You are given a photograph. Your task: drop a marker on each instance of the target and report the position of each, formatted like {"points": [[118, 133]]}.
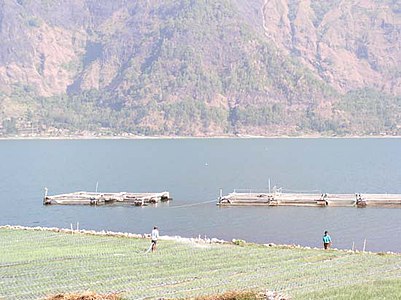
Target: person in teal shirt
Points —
{"points": [[326, 240]]}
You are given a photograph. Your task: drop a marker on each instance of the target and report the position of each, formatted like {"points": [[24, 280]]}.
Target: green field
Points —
{"points": [[34, 264]]}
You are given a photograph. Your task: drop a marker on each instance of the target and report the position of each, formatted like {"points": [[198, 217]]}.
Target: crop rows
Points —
{"points": [[34, 264]]}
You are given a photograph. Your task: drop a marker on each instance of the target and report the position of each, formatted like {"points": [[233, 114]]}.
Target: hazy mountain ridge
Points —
{"points": [[186, 67]]}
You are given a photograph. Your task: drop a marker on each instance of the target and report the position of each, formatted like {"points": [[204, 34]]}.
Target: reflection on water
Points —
{"points": [[193, 171]]}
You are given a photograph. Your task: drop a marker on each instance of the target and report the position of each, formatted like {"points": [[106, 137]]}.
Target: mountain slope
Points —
{"points": [[349, 44], [184, 67]]}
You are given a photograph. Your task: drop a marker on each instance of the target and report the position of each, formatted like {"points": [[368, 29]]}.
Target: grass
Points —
{"points": [[36, 264], [380, 289]]}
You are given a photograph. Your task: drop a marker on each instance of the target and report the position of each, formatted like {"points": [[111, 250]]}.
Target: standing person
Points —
{"points": [[326, 240], [155, 236]]}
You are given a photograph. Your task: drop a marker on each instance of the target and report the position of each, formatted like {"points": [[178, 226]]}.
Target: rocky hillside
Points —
{"points": [[349, 44], [201, 68]]}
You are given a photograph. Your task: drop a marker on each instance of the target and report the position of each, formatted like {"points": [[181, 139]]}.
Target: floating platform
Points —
{"points": [[313, 200], [91, 198]]}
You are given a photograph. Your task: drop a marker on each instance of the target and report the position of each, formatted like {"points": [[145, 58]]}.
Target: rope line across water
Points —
{"points": [[194, 204]]}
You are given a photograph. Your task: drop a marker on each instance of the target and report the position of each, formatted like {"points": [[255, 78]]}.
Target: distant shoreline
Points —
{"points": [[17, 138]]}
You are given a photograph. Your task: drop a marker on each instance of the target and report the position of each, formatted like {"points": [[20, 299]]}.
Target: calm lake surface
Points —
{"points": [[193, 171]]}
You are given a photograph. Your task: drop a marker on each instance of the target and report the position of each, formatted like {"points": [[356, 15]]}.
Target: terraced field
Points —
{"points": [[34, 264]]}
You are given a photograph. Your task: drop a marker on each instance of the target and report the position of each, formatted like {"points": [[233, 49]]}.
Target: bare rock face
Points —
{"points": [[34, 54], [44, 44], [276, 23], [349, 44]]}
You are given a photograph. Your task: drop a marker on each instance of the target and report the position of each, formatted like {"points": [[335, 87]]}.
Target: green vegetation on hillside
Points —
{"points": [[372, 112], [180, 67], [34, 264], [204, 71]]}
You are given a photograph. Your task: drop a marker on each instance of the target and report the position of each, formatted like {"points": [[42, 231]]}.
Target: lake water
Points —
{"points": [[193, 171]]}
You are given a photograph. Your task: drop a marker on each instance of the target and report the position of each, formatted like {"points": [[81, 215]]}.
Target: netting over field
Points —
{"points": [[34, 264]]}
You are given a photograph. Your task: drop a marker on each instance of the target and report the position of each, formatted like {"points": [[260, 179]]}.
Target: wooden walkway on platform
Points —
{"points": [[92, 198], [309, 199]]}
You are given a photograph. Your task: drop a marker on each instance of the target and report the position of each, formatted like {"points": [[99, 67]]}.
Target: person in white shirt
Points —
{"points": [[155, 236]]}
